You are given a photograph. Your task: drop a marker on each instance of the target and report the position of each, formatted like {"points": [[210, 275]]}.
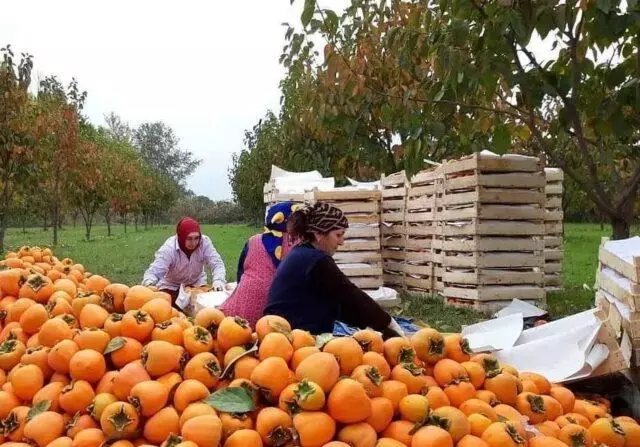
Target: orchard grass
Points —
{"points": [[123, 257]]}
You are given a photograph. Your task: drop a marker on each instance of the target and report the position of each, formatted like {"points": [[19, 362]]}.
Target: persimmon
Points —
{"points": [[50, 392], [137, 324], [196, 409], [38, 355], [234, 422], [370, 378], [11, 280], [92, 338], [15, 311], [244, 367], [631, 430], [161, 357], [161, 424], [321, 368], [489, 363], [205, 368], [76, 396], [381, 414], [96, 283], [608, 432], [275, 344], [575, 435], [209, 318], [309, 396], [370, 340], [375, 359], [448, 371], [358, 435], [302, 339], [414, 407], [488, 396], [33, 318], [429, 345], [158, 308], [170, 380], [472, 406], [88, 365], [503, 434], [168, 331], [432, 436], [113, 297], [545, 441], [564, 396], [529, 386], [233, 331], [347, 351], [348, 402], [272, 323], [274, 426], [36, 287], [79, 422], [458, 393], [148, 397], [14, 423], [113, 325], [244, 438], [548, 428], [127, 377], [53, 331], [573, 418], [271, 376], [509, 413], [90, 437], [8, 401], [44, 428], [475, 372], [401, 431], [457, 348], [478, 423], [505, 386], [543, 385], [588, 409], [26, 380], [398, 350], [187, 392], [126, 350], [452, 420], [394, 391], [119, 420], [410, 375], [57, 306], [99, 403], [471, 441]]}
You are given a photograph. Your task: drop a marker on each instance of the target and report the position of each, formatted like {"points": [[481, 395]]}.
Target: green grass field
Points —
{"points": [[124, 257]]}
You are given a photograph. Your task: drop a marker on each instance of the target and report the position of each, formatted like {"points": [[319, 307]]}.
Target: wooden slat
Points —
{"points": [[553, 241], [553, 215], [331, 196], [393, 192], [496, 195], [397, 178], [554, 280], [423, 257], [421, 203], [423, 243], [397, 241], [433, 229], [494, 212], [554, 175], [553, 267], [361, 271], [483, 244], [426, 176], [361, 256], [392, 216], [488, 307], [358, 207], [426, 190], [553, 228], [495, 260], [424, 270], [350, 245], [393, 280], [506, 180], [395, 204], [629, 297], [497, 228], [421, 217], [553, 189], [392, 230], [553, 203], [398, 255], [626, 269], [421, 283], [374, 218], [494, 277], [553, 255], [493, 164], [367, 282], [496, 293], [362, 232]]}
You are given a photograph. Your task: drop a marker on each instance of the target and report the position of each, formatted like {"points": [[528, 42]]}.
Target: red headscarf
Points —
{"points": [[186, 225]]}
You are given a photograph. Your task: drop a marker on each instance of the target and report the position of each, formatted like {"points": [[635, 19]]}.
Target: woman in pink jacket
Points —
{"points": [[257, 265], [181, 260]]}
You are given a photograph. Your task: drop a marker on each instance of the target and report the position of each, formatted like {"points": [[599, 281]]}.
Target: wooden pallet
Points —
{"points": [[493, 244], [493, 260], [487, 163], [476, 227], [486, 276], [471, 179], [614, 262], [494, 212]]}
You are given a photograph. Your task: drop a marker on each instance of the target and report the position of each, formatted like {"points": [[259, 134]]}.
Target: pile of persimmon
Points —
{"points": [[85, 362]]}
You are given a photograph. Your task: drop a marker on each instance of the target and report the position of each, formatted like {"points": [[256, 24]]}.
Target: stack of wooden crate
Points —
{"points": [[493, 230], [553, 247], [393, 228], [423, 245], [272, 195], [360, 257], [618, 293]]}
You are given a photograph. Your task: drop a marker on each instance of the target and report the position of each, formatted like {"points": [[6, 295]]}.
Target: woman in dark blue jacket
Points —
{"points": [[309, 289]]}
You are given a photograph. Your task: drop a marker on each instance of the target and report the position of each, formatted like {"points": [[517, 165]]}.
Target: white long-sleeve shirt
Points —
{"points": [[171, 267]]}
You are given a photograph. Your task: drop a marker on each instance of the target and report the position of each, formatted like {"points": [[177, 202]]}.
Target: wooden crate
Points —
{"points": [[553, 217], [393, 227], [488, 307]]}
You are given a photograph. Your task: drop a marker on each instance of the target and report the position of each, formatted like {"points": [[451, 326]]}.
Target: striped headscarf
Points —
{"points": [[324, 218]]}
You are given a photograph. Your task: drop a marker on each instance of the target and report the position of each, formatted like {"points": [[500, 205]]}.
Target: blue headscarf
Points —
{"points": [[275, 224]]}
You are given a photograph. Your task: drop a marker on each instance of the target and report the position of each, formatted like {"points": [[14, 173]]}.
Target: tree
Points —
{"points": [[158, 147], [118, 128], [16, 130], [473, 68]]}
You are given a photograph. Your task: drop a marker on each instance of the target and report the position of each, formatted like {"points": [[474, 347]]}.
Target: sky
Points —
{"points": [[209, 69]]}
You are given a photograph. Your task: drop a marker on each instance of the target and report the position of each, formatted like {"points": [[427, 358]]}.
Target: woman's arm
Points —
{"points": [[357, 308], [243, 256], [158, 268], [214, 261]]}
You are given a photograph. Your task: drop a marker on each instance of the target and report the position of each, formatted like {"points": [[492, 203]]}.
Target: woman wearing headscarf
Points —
{"points": [[181, 260], [257, 266], [309, 289]]}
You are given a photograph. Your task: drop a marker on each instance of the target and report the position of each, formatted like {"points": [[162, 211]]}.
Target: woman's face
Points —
{"points": [[192, 240], [329, 242]]}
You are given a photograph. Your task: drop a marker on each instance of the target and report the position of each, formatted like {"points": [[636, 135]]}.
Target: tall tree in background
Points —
{"points": [[16, 131], [118, 128], [470, 71], [158, 147]]}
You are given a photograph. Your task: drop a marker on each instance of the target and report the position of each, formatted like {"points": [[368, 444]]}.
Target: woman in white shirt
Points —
{"points": [[181, 260]]}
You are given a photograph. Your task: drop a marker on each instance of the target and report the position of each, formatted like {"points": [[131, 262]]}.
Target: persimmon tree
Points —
{"points": [[560, 80]]}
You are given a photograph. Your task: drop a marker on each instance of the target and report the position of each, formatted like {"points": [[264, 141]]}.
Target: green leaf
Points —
{"points": [[114, 345], [231, 400], [323, 339], [332, 21], [307, 12], [38, 408], [501, 139]]}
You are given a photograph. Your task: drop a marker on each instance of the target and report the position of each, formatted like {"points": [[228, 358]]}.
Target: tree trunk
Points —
{"points": [[45, 227], [3, 229], [621, 228], [56, 217], [107, 218], [135, 221], [124, 222]]}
